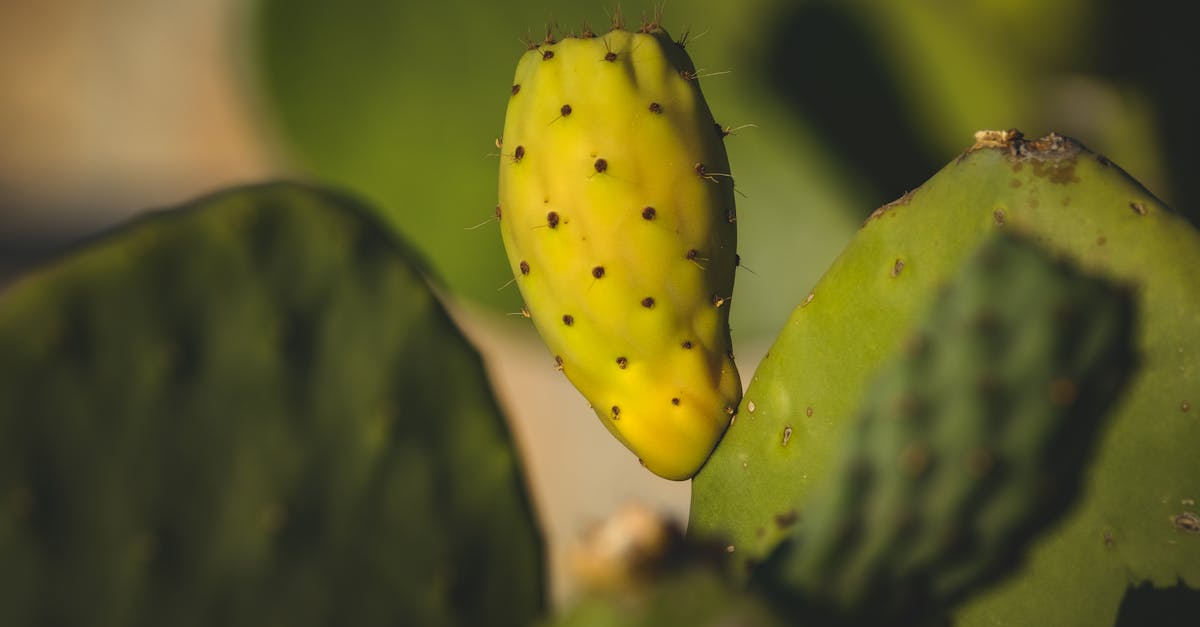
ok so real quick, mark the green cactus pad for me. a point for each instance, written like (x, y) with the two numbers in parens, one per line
(617, 213)
(252, 411)
(1143, 482)
(969, 442)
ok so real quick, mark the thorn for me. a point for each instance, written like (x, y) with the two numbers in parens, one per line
(528, 41)
(481, 224)
(508, 283)
(726, 130)
(687, 38)
(618, 20)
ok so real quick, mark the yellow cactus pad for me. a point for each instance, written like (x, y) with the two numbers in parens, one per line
(617, 212)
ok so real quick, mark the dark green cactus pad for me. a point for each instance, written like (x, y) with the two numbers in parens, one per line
(252, 411)
(1134, 523)
(973, 439)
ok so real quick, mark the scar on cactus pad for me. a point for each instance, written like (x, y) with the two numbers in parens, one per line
(619, 225)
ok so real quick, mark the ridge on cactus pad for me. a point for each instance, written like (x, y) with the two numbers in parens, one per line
(617, 214)
(1130, 526)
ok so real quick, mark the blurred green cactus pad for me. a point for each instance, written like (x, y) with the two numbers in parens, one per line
(252, 411)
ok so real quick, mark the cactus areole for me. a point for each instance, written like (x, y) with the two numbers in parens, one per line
(617, 213)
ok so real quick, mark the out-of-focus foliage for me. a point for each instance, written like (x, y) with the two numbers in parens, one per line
(402, 101)
(855, 103)
(252, 411)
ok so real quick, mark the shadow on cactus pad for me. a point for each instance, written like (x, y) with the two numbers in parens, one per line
(250, 411)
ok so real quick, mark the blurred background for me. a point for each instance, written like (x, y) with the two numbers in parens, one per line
(112, 108)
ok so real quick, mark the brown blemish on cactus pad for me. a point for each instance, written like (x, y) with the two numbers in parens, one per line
(547, 55)
(980, 462)
(558, 363)
(655, 108)
(1138, 208)
(1187, 522)
(601, 165)
(675, 401)
(998, 217)
(1059, 172)
(648, 213)
(787, 435)
(687, 345)
(786, 519)
(524, 267)
(648, 302)
(610, 56)
(622, 363)
(516, 89)
(691, 254)
(886, 208)
(598, 272)
(565, 110)
(897, 267)
(914, 460)
(616, 412)
(688, 76)
(717, 301)
(1062, 392)
(552, 219)
(568, 319)
(519, 153)
(497, 212)
(730, 215)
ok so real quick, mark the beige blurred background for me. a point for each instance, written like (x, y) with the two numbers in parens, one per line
(111, 107)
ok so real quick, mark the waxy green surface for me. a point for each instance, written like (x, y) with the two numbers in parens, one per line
(1142, 489)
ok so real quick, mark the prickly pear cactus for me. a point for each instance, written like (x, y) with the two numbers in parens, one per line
(1141, 491)
(252, 411)
(617, 213)
(970, 441)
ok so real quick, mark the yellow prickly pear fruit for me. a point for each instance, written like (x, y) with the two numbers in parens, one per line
(617, 213)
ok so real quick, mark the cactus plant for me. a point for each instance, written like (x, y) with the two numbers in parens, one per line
(1076, 203)
(252, 410)
(617, 213)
